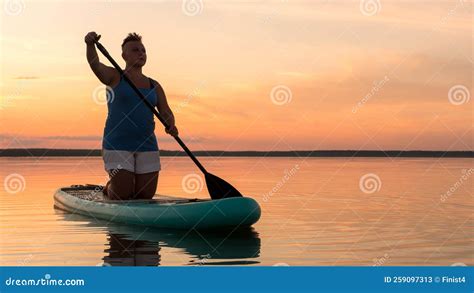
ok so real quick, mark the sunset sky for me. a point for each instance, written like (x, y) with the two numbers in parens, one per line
(249, 75)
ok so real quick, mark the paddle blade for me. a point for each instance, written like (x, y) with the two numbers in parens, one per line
(218, 188)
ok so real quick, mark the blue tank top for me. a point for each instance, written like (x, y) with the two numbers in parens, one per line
(130, 124)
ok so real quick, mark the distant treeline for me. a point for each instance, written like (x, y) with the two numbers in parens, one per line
(165, 153)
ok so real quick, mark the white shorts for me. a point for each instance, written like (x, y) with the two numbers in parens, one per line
(136, 162)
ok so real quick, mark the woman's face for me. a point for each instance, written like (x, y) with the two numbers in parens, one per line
(134, 54)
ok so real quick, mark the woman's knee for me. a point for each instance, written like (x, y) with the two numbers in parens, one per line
(119, 193)
(145, 185)
(121, 185)
(145, 195)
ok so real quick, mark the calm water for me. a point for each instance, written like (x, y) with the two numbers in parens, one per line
(314, 212)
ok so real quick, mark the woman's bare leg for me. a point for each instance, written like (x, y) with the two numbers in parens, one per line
(121, 185)
(145, 185)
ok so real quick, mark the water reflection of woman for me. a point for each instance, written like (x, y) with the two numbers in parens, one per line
(127, 252)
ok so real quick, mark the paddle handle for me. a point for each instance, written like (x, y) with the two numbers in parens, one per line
(150, 106)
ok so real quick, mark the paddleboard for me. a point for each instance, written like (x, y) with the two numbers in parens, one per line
(161, 211)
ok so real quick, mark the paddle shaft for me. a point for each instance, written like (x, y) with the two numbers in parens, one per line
(149, 105)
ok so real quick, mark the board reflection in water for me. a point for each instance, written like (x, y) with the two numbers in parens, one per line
(129, 245)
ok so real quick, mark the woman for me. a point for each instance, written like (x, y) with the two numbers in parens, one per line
(129, 147)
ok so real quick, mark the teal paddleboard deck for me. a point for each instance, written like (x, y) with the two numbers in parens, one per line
(161, 211)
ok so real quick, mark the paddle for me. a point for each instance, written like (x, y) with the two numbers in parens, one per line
(217, 187)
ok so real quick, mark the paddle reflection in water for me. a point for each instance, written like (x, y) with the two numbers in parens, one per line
(130, 245)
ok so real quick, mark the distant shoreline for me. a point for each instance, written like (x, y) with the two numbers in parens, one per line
(320, 153)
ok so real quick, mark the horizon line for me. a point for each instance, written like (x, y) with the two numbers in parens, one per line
(46, 152)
